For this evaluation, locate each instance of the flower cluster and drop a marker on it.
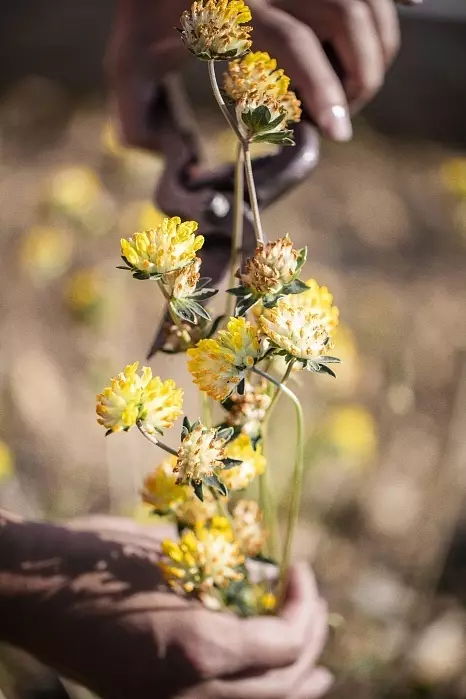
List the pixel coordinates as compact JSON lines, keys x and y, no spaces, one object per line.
{"x":264,"y":104}
{"x":164,"y":249}
{"x":251,"y":463}
{"x":213,"y":29}
{"x":219,"y":365}
{"x":133,"y":398}
{"x":246,"y":411}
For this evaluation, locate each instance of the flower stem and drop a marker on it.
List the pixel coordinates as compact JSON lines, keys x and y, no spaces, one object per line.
{"x":175,"y":319}
{"x":237,"y":239}
{"x":221,"y":101}
{"x":206,"y":409}
{"x":223,"y":508}
{"x":297,"y":475}
{"x":153,"y":440}
{"x":253,"y":194}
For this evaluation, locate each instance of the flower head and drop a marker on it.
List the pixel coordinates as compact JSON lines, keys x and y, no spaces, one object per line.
{"x":201,"y":456}
{"x":247,"y":410}
{"x":219,"y":365}
{"x":274,"y":266}
{"x":212,"y":29}
{"x":295,"y":329}
{"x":319,"y":301}
{"x":249,"y":529}
{"x":182,"y":283}
{"x":132,"y":397}
{"x":204,"y":558}
{"x":252,"y":464}
{"x":163,"y":493}
{"x":164,"y":249}
{"x":264,"y":104}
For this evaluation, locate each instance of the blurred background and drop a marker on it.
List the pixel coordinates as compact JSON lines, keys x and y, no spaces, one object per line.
{"x":385,"y":221}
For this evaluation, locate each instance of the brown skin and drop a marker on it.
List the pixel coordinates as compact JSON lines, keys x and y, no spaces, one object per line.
{"x":86,"y":598}
{"x":364,"y":33}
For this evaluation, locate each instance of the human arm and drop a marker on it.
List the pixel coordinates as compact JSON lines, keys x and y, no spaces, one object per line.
{"x":87,"y":600}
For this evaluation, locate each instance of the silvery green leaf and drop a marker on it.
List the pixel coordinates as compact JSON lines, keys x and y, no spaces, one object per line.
{"x":324,"y":369}
{"x":328,"y":360}
{"x":225,"y":433}
{"x":230,"y":463}
{"x":214,"y":481}
{"x":198,"y":491}
{"x":240,"y":291}
{"x":295,"y":287}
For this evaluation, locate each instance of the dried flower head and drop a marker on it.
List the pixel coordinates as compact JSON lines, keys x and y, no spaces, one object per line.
{"x":296,"y":330}
{"x":132,"y":397}
{"x":252,"y":464}
{"x":161,"y":491}
{"x":274,"y":266}
{"x":264,"y":104}
{"x":249,"y":528}
{"x":204,"y":558}
{"x":164,"y":249}
{"x":182,"y":283}
{"x":186,"y":290}
{"x":212,"y":29}
{"x":219,"y":365}
{"x":247,"y":410}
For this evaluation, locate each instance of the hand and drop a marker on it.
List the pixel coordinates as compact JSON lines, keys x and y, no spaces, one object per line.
{"x":364,"y":34}
{"x":96,"y":612}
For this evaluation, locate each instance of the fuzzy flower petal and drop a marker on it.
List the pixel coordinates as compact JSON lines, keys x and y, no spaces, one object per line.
{"x":273,"y":266}
{"x":205,"y":557}
{"x":295,"y":329}
{"x":219,"y":365}
{"x":199,"y":456}
{"x":319,"y":301}
{"x":247,"y":411}
{"x":253,"y":463}
{"x":168,"y":247}
{"x":132,"y":397}
{"x":249,"y":528}
{"x":181,"y":283}
{"x":212,"y":29}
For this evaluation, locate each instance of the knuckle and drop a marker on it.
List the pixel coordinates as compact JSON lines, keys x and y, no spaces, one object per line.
{"x":357,"y":13}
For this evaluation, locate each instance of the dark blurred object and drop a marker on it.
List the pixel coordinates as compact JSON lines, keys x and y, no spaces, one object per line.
{"x":453,"y":578}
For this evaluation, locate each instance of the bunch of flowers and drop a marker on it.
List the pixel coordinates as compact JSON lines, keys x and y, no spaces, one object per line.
{"x":269,"y":313}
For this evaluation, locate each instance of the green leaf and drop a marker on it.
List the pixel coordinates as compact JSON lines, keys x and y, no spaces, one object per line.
{"x":214,"y":481}
{"x":203,"y":281}
{"x":245,"y":304}
{"x":195,"y":424}
{"x":186,"y":423}
{"x":198,"y":491}
{"x":108,"y":433}
{"x":240,"y":291}
{"x":182,"y":310}
{"x":230,"y":463}
{"x":126,"y":268}
{"x":204,"y":294}
{"x":324,"y":369}
{"x":278,"y":120}
{"x":302,"y":257}
{"x":225,"y":433}
{"x":199,"y":310}
{"x":241,"y":387}
{"x":247,"y":119}
{"x":214,"y":326}
{"x":141,"y":276}
{"x":260,"y":117}
{"x":328,"y":360}
{"x":280,"y":138}
{"x":295,"y":287}
{"x":270,"y":300}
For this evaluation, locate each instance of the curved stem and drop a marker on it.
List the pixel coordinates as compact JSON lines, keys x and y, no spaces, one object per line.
{"x":221,"y":101}
{"x":276,"y":395}
{"x":237,"y":239}
{"x":153,"y":440}
{"x":253,"y":194}
{"x":297,"y":475}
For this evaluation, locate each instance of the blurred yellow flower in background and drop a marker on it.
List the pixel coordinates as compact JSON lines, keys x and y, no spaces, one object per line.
{"x":454,"y":176}
{"x":45,"y":252}
{"x":203,"y":558}
{"x":84,"y":292}
{"x":7,"y":463}
{"x":351,"y":431}
{"x":211,"y":29}
{"x":253,"y":463}
{"x":249,"y":528}
{"x":73,"y":188}
{"x":139,"y":216}
{"x":132,"y":397}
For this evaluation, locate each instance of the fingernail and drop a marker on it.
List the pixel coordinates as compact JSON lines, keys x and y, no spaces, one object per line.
{"x":336,"y":123}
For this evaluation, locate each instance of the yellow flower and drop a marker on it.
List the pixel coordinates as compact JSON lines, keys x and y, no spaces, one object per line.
{"x":168,"y":247}
{"x":6,"y":461}
{"x":161,"y":491}
{"x":295,"y":329}
{"x":84,"y":291}
{"x":454,"y":176}
{"x":219,"y":365}
{"x":132,"y":397}
{"x":205,"y":557}
{"x":253,"y":463}
{"x":319,"y":301}
{"x":200,"y":455}
{"x":212,"y":29}
{"x":255,"y":82}
{"x":74,"y":188}
{"x":46,"y":252}
{"x":249,"y":528}
{"x":273,"y":266}
{"x":182,"y":283}
{"x":351,"y":431}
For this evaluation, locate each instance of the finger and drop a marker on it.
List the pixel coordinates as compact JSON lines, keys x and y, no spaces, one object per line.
{"x":315,"y":685}
{"x":386,"y":21}
{"x":357,"y":43}
{"x":300,"y":54}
